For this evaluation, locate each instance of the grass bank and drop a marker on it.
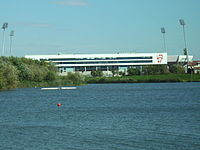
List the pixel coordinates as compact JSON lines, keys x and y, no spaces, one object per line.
{"x":55,"y":83}
{"x":146,"y":78}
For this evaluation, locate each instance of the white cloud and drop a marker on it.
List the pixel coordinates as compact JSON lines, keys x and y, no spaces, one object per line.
{"x":72,"y":3}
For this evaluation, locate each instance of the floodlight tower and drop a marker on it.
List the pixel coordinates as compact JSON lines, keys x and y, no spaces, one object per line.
{"x":163,"y":32}
{"x":11,"y":35}
{"x":182,"y":23}
{"x":5,"y":25}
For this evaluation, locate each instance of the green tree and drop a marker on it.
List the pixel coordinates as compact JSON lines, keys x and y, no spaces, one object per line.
{"x":24,"y":72}
{"x":133,"y":71}
{"x":155,"y":69}
{"x":75,"y":78}
{"x":122,"y":73}
{"x":51,"y":76}
{"x":2,"y":82}
{"x":8,"y":76}
{"x":96,"y":73}
{"x":178,"y":69}
{"x":114,"y":72}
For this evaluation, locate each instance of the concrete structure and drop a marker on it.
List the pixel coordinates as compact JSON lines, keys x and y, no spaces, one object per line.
{"x":178,"y":59}
{"x":86,"y":63}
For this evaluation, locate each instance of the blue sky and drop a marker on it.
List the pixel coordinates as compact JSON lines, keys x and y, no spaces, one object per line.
{"x":100,"y":26}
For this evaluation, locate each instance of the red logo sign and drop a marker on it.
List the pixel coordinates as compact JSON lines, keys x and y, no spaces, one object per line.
{"x":160,"y":58}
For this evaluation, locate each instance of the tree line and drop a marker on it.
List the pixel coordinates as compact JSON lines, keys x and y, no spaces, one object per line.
{"x":18,"y":72}
{"x":145,"y":70}
{"x":21,"y":72}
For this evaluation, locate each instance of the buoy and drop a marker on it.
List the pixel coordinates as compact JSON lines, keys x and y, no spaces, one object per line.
{"x":59,"y":104}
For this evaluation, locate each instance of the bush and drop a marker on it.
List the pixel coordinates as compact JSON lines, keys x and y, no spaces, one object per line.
{"x":22,"y":72}
{"x":178,"y":69}
{"x":51,"y":76}
{"x":8,"y":76}
{"x":133,"y":71}
{"x":96,"y":73}
{"x":155,"y":69}
{"x":74,"y":78}
{"x":122,"y":73}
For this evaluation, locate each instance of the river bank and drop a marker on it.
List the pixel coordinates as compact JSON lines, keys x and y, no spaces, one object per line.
{"x":146,"y":78}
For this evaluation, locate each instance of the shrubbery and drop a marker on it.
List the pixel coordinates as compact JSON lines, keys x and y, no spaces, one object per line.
{"x":22,"y":72}
{"x":96,"y":73}
{"x":8,"y":76}
{"x":133,"y":71}
{"x":178,"y":69}
{"x":155,"y":69}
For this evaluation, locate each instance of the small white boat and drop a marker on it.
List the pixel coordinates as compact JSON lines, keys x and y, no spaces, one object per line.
{"x":68,"y":88}
{"x":59,"y":88}
{"x":53,"y":88}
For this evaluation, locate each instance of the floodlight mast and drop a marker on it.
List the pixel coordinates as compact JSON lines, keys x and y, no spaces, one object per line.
{"x":5,"y":25}
{"x":163,"y":32}
{"x":182,"y":23}
{"x":11,"y":35}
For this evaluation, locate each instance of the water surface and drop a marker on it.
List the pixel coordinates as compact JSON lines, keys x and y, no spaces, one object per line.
{"x":102,"y":117}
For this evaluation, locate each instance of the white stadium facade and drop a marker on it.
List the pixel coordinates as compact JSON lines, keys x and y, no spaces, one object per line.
{"x":85,"y":63}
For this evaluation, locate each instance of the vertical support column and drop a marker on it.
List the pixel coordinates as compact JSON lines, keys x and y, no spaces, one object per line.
{"x":141,"y":69}
{"x":107,"y":70}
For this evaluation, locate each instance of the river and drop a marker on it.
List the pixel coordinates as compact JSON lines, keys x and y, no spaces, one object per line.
{"x":145,"y":116}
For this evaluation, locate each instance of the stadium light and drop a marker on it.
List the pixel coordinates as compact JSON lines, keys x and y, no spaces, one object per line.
{"x":5,"y":25}
{"x":163,"y":32}
{"x":11,"y":35}
{"x":182,"y":23}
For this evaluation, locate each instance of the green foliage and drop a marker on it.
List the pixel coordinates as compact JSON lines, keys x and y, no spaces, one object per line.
{"x":122,"y":73}
{"x":155,"y":69}
{"x":25,"y":72}
{"x":143,"y":79}
{"x":114,"y":72}
{"x":51,"y":76}
{"x":8,"y":76}
{"x":96,"y":73}
{"x":22,"y":72}
{"x":75,"y":78}
{"x":72,"y":79}
{"x":178,"y":69}
{"x":133,"y":71}
{"x":1,"y":80}
{"x":13,"y":69}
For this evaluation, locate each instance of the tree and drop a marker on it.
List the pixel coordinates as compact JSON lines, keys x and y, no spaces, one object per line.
{"x":122,"y":73}
{"x":155,"y":69}
{"x":133,"y":71}
{"x":75,"y":78}
{"x":2,"y":82}
{"x":178,"y":69}
{"x":8,"y":76}
{"x":51,"y":76}
{"x":114,"y":72}
{"x":96,"y":73}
